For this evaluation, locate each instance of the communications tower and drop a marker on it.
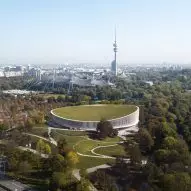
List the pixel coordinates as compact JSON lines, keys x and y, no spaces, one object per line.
{"x":114,"y":62}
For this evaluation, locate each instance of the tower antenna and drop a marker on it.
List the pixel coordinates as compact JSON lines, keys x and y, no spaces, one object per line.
{"x":115,"y":36}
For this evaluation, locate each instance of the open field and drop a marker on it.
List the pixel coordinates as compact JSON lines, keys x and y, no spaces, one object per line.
{"x":70,"y":139}
{"x":85,"y":147}
{"x":86,"y":162}
{"x":72,"y":133}
{"x":114,"y":151}
{"x":94,"y":112}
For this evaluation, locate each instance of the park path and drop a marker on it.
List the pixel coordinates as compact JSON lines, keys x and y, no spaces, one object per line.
{"x":76,"y":173}
{"x":86,"y":155}
{"x":93,"y":150}
{"x":51,"y":140}
{"x":96,"y":155}
{"x":33,"y":151}
{"x":93,"y":169}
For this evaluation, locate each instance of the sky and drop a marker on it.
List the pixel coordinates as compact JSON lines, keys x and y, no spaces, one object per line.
{"x":82,"y":31}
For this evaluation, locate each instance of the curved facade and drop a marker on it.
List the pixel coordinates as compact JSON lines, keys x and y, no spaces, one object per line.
{"x":117,"y":123}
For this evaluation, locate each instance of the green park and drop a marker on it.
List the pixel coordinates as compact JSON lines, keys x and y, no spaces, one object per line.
{"x":94,"y":112}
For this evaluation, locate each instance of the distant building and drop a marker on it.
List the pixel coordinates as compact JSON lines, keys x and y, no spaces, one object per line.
{"x":150,"y":83}
{"x":13,"y":71}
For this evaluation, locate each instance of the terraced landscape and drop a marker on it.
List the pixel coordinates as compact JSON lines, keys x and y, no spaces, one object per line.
{"x":90,"y":151}
{"x":83,"y":145}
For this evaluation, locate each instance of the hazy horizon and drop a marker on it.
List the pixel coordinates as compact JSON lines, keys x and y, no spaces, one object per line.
{"x":48,"y":32}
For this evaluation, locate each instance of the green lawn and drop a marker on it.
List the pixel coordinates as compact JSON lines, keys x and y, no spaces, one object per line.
{"x":95,"y":112}
{"x":79,"y":139}
{"x":39,"y":130}
{"x":87,"y":162}
{"x":114,"y":151}
{"x":81,"y":143}
{"x":86,"y":146}
{"x":72,"y":133}
{"x":71,"y":140}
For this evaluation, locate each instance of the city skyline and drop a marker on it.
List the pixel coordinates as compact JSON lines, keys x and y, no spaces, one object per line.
{"x":48,"y":32}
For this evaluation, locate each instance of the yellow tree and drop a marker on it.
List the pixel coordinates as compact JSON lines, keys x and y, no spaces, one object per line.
{"x":72,"y":158}
{"x":40,"y":147}
{"x":47,"y":149}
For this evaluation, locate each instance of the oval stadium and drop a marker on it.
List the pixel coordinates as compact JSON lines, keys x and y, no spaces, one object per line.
{"x":86,"y":117}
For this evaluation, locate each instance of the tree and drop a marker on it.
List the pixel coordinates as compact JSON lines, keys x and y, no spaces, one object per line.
{"x":176,"y":182}
{"x":13,"y":163}
{"x":170,"y":143}
{"x":47,"y":149}
{"x":83,"y":185}
{"x":151,"y":172}
{"x":37,"y":162}
{"x":3,"y":128}
{"x":135,"y":154}
{"x":61,"y":98}
{"x":40,"y":147}
{"x":61,"y":145}
{"x":60,"y":180}
{"x":58,"y":163}
{"x":25,"y":167}
{"x":145,"y":140}
{"x":168,"y":131}
{"x":72,"y":158}
{"x":29,"y":124}
{"x":104,"y":129}
{"x":161,"y":155}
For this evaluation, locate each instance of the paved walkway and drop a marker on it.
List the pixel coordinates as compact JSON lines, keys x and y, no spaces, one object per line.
{"x":51,"y":140}
{"x":33,"y":151}
{"x":96,"y":155}
{"x":93,"y":169}
{"x":76,"y":173}
{"x":93,"y":152}
{"x":93,"y":156}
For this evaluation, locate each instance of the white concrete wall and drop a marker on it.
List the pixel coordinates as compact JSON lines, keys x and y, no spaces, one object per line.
{"x":122,"y":122}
